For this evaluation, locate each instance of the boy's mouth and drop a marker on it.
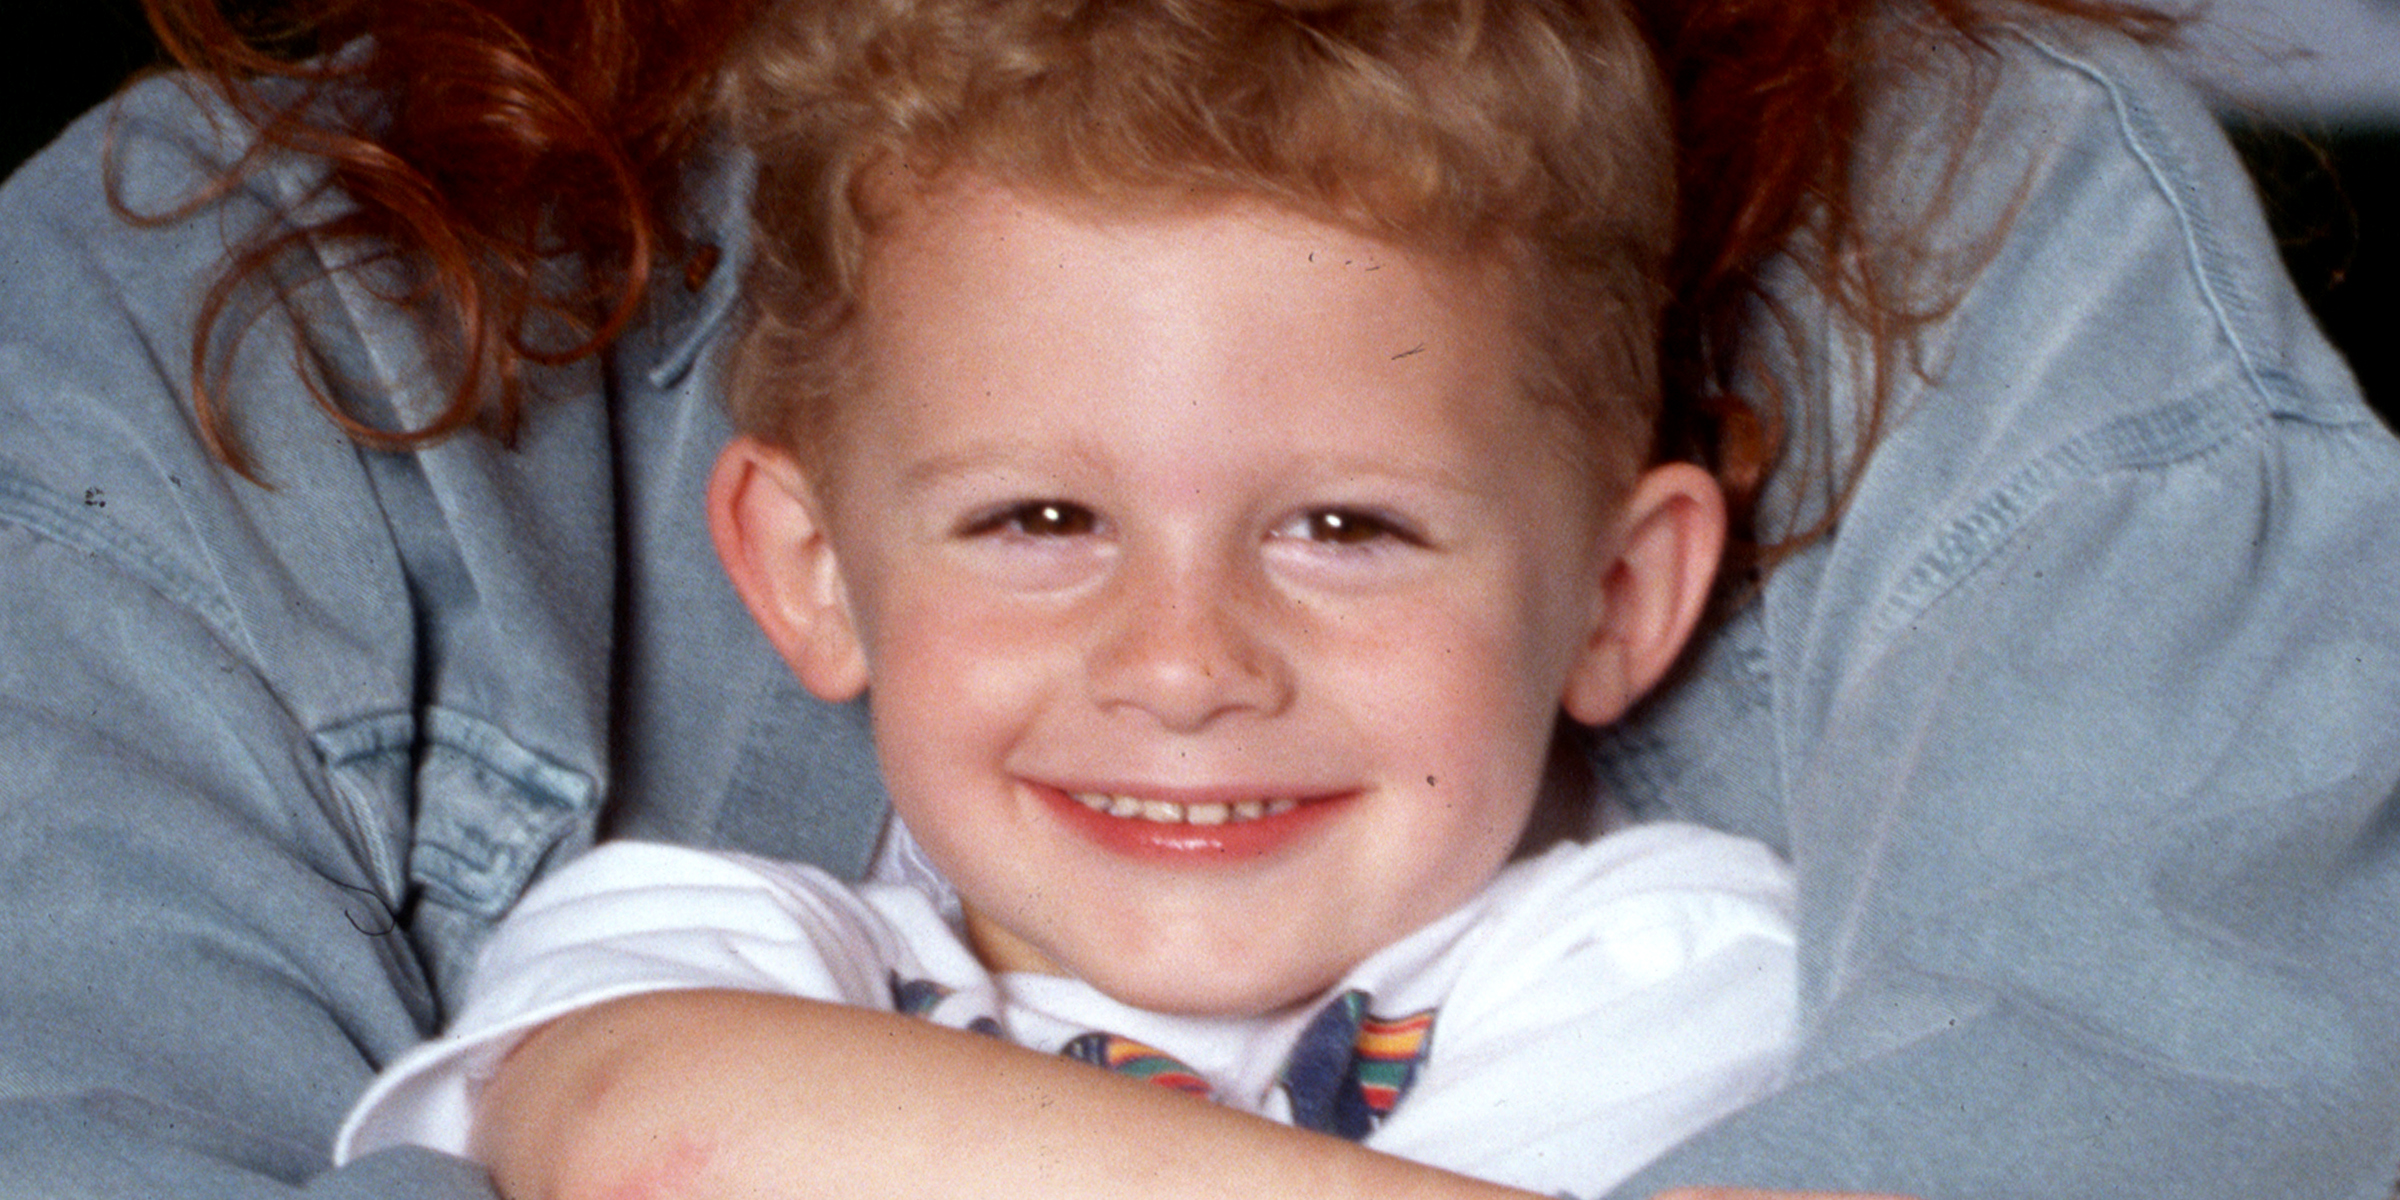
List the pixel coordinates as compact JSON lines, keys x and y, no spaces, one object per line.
{"x":1169,"y":812}
{"x":1196,"y":830}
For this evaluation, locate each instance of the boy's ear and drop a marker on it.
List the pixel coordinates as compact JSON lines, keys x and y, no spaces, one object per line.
{"x":1653,"y":589}
{"x":770,"y":534}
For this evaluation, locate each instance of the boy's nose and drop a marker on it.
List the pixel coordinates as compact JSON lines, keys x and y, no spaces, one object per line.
{"x":1184,"y":647}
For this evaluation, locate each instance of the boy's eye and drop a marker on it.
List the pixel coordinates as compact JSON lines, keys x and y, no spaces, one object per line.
{"x":1036,"y":518}
{"x":1344,"y":527}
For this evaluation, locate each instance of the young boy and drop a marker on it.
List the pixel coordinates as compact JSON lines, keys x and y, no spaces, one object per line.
{"x":1216,"y":439}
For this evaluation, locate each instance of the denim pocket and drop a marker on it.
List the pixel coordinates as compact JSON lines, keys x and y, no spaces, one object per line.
{"x":456,"y":818}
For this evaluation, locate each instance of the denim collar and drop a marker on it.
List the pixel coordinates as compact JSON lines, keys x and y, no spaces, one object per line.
{"x":716,"y":214}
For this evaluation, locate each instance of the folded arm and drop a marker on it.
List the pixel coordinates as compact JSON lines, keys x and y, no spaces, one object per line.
{"x":710,"y":1093}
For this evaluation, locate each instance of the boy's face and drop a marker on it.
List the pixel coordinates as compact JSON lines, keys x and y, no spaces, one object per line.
{"x":1216,"y":588}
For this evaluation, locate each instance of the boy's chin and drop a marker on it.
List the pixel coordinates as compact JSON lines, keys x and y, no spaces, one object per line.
{"x":1211,"y":976}
{"x":1192,"y":990}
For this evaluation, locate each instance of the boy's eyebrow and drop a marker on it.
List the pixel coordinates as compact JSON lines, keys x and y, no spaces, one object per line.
{"x":1001,"y":456}
{"x":993,"y":454}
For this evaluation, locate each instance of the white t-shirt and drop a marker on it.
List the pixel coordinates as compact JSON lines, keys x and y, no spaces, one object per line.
{"x":1590,"y":1008}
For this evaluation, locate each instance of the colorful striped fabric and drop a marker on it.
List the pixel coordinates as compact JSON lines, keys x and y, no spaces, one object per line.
{"x":1350,"y":1068}
{"x":1389,"y":1052}
{"x":1128,"y":1057}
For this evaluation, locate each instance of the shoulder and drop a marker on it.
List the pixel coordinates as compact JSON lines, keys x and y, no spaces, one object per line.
{"x":674,"y":887}
{"x":2111,"y":322}
{"x":622,"y":892}
{"x":122,"y":221}
{"x":1626,"y":911}
{"x":423,"y":667}
{"x":2116,"y":548}
{"x":112,"y":236}
{"x":2127,"y":191}
{"x":2120,"y":408}
{"x":1643,"y":983}
{"x":640,"y":915}
{"x":2071,"y":222}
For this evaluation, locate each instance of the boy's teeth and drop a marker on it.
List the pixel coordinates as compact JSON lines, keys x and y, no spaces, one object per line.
{"x":1168,"y":812}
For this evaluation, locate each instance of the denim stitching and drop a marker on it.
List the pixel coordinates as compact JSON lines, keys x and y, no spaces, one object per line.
{"x":2159,"y":437}
{"x":45,"y":514}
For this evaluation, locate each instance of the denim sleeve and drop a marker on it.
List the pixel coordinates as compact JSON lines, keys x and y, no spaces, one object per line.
{"x":275,"y":756}
{"x":2083,"y":727}
{"x":175,"y":949}
{"x":215,"y":911}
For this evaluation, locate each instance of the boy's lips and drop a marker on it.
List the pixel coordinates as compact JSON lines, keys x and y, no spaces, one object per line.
{"x":1190,"y":831}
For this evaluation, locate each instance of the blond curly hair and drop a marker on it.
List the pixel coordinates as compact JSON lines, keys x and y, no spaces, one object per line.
{"x":1529,"y":133}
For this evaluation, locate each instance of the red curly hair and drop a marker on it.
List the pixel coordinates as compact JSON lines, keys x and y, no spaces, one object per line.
{"x":510,"y":130}
{"x":1770,"y":96}
{"x":505,"y":133}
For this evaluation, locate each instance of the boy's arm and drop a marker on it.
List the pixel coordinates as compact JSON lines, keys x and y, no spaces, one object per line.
{"x":718,"y":1093}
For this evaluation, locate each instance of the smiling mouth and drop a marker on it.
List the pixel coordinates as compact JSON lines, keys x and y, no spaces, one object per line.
{"x":1169,"y":812}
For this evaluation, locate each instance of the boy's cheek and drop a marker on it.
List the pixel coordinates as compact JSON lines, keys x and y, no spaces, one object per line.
{"x":964,"y":671}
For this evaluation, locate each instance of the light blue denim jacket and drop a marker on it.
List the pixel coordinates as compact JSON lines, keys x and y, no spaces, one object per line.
{"x":2083,"y":727}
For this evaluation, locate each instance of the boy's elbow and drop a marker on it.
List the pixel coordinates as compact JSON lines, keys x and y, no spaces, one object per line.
{"x":565,"y":1118}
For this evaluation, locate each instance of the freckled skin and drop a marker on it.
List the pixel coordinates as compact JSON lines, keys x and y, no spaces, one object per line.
{"x":1208,"y":515}
{"x":1180,"y":528}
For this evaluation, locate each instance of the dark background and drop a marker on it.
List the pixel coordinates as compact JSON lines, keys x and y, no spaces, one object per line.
{"x":2332,"y":192}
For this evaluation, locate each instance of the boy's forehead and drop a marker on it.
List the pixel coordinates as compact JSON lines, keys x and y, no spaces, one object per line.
{"x":963,"y":206}
{"x":993,"y":315}
{"x":1225,"y":279}
{"x":1228,"y":280}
